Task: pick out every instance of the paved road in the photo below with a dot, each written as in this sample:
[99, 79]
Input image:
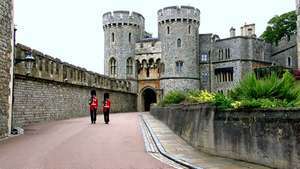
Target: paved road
[76, 144]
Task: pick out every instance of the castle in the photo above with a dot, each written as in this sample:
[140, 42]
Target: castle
[140, 69]
[181, 58]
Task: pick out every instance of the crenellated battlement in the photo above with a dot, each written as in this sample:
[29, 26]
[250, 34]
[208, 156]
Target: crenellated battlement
[120, 18]
[176, 13]
[50, 68]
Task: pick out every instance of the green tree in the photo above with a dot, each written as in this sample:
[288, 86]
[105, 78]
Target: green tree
[284, 25]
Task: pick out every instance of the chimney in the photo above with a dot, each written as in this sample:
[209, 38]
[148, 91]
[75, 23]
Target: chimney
[232, 32]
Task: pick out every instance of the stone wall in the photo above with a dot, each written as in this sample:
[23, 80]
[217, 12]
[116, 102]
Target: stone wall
[57, 90]
[285, 48]
[6, 37]
[37, 100]
[267, 137]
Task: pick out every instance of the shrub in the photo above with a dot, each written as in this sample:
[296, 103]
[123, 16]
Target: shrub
[173, 97]
[270, 88]
[236, 104]
[200, 96]
[222, 101]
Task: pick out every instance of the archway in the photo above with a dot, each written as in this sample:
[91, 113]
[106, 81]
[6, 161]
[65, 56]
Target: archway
[149, 97]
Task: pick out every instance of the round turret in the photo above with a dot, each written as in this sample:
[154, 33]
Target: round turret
[178, 29]
[122, 30]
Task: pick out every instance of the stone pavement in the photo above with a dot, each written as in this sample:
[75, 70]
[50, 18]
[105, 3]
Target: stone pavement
[176, 146]
[76, 144]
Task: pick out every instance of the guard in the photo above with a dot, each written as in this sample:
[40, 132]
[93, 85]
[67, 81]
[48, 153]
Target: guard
[106, 108]
[93, 102]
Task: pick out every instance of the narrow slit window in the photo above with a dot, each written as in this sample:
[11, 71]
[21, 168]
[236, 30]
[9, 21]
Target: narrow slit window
[113, 37]
[129, 37]
[179, 43]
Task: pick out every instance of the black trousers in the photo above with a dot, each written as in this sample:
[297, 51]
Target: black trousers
[93, 115]
[106, 116]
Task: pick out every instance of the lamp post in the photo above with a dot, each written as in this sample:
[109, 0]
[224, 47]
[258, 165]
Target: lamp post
[29, 61]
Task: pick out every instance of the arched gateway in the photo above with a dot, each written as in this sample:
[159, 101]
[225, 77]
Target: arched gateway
[148, 97]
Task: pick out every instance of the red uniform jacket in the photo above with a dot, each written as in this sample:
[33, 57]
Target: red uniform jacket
[93, 103]
[106, 105]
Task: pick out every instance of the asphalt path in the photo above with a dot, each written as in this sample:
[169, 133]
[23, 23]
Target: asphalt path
[77, 144]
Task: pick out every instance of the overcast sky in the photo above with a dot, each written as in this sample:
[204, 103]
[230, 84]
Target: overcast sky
[71, 30]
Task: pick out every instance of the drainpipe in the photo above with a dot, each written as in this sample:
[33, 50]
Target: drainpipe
[13, 85]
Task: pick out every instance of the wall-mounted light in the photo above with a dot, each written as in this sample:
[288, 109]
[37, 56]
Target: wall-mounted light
[29, 61]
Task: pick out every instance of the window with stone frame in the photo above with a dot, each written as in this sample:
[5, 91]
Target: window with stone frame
[168, 30]
[179, 66]
[220, 55]
[204, 77]
[289, 61]
[227, 53]
[179, 43]
[189, 29]
[112, 66]
[224, 74]
[129, 69]
[157, 65]
[204, 57]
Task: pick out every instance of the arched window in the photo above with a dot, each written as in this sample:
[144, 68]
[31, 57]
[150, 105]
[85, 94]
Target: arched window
[179, 65]
[129, 37]
[289, 61]
[157, 65]
[179, 43]
[113, 37]
[168, 30]
[129, 70]
[138, 66]
[113, 67]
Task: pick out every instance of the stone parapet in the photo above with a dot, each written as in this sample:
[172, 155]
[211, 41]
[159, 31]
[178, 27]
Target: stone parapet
[176, 13]
[50, 68]
[119, 18]
[269, 137]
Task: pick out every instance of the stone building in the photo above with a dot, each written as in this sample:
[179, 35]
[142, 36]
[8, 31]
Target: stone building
[6, 62]
[181, 58]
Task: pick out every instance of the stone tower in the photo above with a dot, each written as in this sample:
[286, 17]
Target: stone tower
[6, 65]
[122, 30]
[178, 30]
[298, 32]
